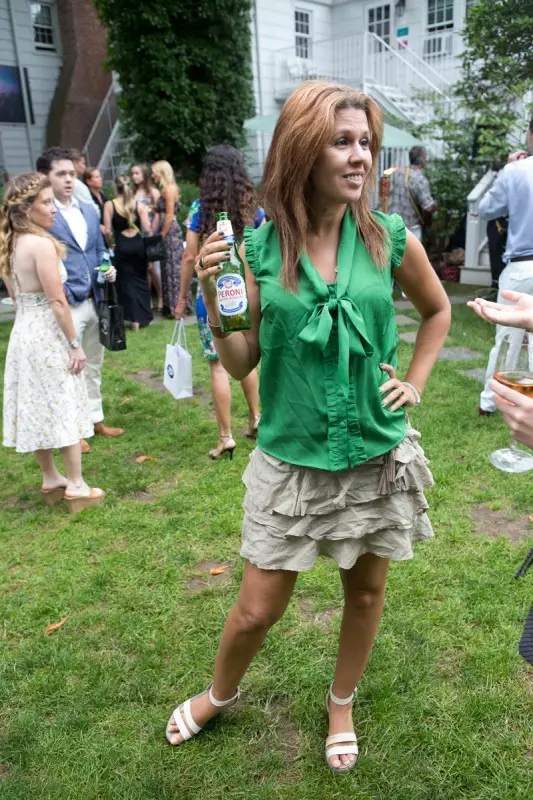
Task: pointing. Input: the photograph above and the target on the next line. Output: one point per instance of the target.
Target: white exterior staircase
(105, 147)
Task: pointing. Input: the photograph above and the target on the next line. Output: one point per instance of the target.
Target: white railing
(476, 234)
(429, 62)
(399, 69)
(103, 127)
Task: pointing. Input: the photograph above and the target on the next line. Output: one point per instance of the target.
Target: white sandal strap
(223, 703)
(191, 724)
(347, 750)
(335, 738)
(184, 731)
(341, 701)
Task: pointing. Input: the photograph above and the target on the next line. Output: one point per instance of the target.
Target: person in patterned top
(410, 193)
(224, 186)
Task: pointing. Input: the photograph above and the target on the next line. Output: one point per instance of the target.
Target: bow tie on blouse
(353, 338)
(351, 328)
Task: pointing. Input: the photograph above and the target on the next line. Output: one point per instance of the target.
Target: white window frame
(373, 7)
(443, 25)
(439, 41)
(301, 37)
(43, 47)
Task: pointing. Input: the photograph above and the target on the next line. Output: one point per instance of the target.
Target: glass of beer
(514, 368)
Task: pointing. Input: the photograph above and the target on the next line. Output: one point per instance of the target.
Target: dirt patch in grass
(120, 544)
(5, 772)
(139, 497)
(497, 523)
(202, 395)
(449, 664)
(320, 619)
(201, 577)
(148, 378)
(279, 735)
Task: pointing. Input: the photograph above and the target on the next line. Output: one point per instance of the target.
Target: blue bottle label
(231, 291)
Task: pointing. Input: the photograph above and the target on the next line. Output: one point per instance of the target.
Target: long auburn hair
(305, 125)
(226, 186)
(18, 198)
(127, 198)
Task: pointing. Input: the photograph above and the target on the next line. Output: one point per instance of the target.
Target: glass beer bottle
(231, 284)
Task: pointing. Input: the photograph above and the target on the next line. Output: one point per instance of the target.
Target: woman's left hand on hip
(399, 394)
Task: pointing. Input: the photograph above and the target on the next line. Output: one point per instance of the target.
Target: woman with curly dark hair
(224, 186)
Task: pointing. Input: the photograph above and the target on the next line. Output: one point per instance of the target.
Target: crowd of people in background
(338, 470)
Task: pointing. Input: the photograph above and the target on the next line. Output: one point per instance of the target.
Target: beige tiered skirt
(293, 514)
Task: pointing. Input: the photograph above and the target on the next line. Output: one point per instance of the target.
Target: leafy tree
(497, 69)
(184, 68)
(487, 107)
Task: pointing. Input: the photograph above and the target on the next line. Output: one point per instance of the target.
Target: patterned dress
(171, 266)
(192, 223)
(45, 406)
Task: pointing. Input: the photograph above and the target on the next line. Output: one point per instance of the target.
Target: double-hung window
(302, 33)
(43, 26)
(440, 19)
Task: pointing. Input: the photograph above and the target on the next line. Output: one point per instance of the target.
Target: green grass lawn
(444, 709)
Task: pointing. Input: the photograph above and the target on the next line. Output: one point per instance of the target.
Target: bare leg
(72, 462)
(221, 389)
(52, 478)
(263, 598)
(364, 596)
(250, 387)
(155, 282)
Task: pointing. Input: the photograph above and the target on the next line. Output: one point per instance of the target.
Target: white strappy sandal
(341, 744)
(184, 720)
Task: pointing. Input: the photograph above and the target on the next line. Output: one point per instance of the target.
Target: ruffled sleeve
(250, 248)
(398, 237)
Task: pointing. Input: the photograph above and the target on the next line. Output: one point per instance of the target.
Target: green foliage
(444, 707)
(184, 68)
(497, 69)
(487, 103)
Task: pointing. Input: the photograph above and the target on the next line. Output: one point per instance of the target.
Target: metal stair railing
(423, 63)
(103, 127)
(378, 70)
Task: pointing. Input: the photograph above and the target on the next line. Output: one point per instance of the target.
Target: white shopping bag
(178, 364)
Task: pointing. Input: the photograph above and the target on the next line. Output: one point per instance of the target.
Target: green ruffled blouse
(321, 348)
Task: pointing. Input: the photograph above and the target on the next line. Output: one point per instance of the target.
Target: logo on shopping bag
(170, 371)
(104, 326)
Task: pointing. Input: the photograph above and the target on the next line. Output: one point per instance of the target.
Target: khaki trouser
(85, 321)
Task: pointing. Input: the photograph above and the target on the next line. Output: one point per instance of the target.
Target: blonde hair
(305, 125)
(19, 196)
(166, 174)
(127, 198)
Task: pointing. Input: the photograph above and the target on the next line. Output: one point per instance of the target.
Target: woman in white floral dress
(45, 398)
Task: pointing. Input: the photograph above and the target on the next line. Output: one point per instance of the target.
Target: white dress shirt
(512, 194)
(74, 218)
(81, 192)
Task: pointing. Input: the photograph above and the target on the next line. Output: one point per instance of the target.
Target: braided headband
(23, 194)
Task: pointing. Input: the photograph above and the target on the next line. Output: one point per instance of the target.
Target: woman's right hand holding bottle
(210, 259)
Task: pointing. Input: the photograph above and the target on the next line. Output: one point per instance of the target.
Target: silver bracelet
(414, 391)
(216, 330)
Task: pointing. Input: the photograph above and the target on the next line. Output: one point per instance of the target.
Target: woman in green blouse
(337, 471)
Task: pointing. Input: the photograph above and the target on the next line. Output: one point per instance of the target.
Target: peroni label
(231, 291)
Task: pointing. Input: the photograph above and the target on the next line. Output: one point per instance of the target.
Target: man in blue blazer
(77, 226)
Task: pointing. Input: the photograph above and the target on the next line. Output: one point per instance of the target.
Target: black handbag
(154, 248)
(111, 320)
